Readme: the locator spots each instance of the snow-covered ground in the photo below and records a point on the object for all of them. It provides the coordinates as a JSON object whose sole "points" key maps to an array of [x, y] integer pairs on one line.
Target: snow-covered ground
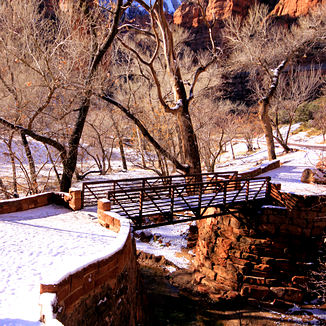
{"points": [[292, 164], [44, 244], [168, 241]]}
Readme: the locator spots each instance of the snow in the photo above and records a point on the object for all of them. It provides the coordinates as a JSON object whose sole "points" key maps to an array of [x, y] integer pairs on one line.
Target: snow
{"points": [[169, 242], [44, 245], [292, 164], [289, 174]]}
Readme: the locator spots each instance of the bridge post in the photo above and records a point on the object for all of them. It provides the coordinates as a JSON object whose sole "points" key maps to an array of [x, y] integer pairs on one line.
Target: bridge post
{"points": [[171, 193], [199, 199], [141, 201], [224, 192], [247, 190], [268, 188], [82, 196]]}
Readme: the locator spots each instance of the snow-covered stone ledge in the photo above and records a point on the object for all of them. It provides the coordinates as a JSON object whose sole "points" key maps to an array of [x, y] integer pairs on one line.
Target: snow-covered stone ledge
{"points": [[103, 291], [109, 219], [263, 168], [73, 199]]}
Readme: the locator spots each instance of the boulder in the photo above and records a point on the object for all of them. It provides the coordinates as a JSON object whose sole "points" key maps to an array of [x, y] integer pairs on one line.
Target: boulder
{"points": [[313, 176]]}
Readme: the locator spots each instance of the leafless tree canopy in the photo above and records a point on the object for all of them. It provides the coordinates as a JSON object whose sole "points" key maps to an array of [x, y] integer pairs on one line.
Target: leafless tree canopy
{"points": [[85, 79]]}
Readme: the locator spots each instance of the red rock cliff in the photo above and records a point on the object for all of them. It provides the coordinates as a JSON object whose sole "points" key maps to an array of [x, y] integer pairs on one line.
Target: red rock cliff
{"points": [[189, 13], [295, 8]]}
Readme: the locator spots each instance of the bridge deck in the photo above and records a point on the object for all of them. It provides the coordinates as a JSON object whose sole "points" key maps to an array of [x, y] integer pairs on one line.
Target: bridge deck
{"points": [[159, 205]]}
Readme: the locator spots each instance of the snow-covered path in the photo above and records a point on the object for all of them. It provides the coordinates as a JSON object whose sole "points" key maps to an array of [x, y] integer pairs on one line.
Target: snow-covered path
{"points": [[289, 174], [42, 245]]}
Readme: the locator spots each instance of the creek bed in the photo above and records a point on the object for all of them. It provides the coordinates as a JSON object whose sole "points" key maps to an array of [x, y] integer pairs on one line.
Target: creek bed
{"points": [[166, 305]]}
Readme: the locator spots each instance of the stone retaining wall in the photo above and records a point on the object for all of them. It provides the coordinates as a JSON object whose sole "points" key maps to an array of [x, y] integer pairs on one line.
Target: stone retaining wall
{"points": [[266, 259], [106, 292], [263, 168], [73, 199]]}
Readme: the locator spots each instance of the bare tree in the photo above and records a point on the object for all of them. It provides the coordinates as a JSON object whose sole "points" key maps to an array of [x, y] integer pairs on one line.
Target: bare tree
{"points": [[159, 62], [7, 139], [265, 48], [216, 125], [65, 55], [295, 87]]}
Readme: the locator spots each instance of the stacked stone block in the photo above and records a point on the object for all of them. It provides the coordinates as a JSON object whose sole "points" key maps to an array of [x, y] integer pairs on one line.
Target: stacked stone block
{"points": [[267, 260]]}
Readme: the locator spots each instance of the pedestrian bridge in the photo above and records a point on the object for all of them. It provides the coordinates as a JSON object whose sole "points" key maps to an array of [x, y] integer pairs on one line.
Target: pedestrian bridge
{"points": [[157, 201]]}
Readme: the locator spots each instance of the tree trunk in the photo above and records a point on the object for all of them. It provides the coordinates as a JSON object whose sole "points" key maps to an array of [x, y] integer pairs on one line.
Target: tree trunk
{"points": [[140, 145], [3, 189], [189, 140], [232, 150], [268, 130], [31, 163], [181, 153], [121, 148], [13, 164], [53, 164], [123, 156], [69, 164]]}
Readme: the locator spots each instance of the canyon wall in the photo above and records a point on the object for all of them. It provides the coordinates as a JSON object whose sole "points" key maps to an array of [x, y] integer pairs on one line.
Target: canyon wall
{"points": [[295, 8], [189, 14]]}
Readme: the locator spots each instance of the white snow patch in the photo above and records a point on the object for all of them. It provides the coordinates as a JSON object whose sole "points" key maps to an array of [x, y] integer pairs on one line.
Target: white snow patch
{"points": [[171, 240]]}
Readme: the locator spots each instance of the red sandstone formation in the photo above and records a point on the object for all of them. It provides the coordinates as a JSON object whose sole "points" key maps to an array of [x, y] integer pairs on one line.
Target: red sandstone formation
{"points": [[295, 8], [220, 9], [189, 13]]}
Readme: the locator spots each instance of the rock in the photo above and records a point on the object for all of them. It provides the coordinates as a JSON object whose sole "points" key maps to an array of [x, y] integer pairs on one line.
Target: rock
{"points": [[321, 165], [144, 236], [221, 9], [313, 176], [295, 8], [189, 13], [300, 281], [288, 294], [255, 291], [281, 304]]}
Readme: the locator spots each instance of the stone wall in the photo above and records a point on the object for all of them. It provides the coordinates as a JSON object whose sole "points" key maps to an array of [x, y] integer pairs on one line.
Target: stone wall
{"points": [[73, 199], [261, 253], [106, 292], [258, 170]]}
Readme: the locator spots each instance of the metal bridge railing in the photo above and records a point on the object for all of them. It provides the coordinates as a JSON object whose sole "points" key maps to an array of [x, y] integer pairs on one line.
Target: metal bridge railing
{"points": [[92, 191], [156, 205]]}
